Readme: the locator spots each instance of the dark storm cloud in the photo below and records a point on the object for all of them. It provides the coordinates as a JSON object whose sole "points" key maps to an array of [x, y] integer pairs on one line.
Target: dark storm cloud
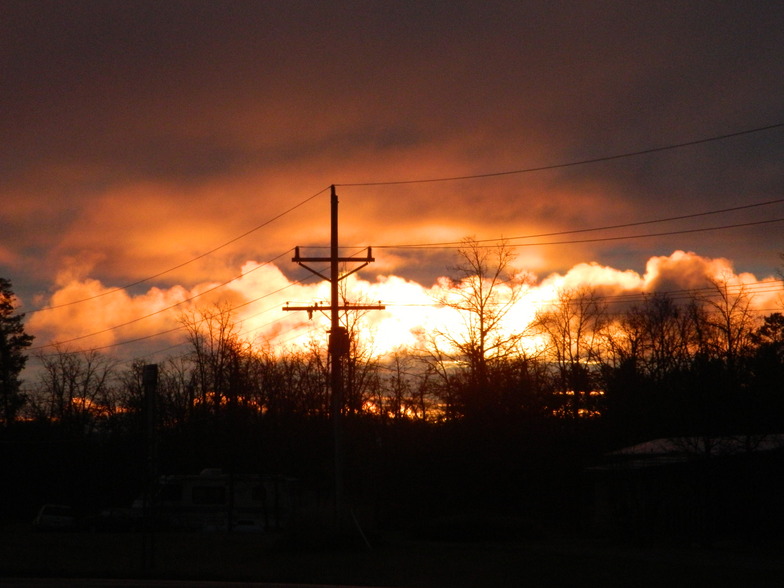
{"points": [[218, 105], [522, 74]]}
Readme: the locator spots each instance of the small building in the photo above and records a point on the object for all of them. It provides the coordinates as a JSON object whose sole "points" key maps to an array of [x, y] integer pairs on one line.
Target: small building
{"points": [[694, 489]]}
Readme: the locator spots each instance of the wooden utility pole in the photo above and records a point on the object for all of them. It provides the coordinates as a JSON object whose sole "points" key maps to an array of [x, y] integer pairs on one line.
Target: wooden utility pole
{"points": [[338, 335]]}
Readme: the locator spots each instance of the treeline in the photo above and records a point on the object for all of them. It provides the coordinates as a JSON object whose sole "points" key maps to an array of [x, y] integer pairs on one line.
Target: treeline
{"points": [[661, 368], [520, 411], [419, 419]]}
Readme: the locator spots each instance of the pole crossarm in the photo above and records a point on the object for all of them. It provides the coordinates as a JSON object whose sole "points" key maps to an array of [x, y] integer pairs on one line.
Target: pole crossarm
{"points": [[348, 306], [298, 258], [332, 260]]}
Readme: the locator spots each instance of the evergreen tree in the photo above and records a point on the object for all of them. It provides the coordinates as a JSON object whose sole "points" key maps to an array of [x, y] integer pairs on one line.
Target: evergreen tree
{"points": [[13, 341]]}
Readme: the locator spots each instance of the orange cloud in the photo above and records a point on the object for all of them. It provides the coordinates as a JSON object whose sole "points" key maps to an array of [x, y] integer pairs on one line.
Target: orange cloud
{"points": [[89, 313]]}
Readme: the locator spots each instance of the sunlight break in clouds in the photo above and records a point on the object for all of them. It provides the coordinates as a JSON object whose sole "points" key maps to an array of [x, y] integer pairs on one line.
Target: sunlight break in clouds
{"points": [[262, 291]]}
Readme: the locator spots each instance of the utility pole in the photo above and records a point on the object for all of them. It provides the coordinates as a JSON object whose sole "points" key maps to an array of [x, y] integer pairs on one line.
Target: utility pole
{"points": [[150, 387], [338, 335]]}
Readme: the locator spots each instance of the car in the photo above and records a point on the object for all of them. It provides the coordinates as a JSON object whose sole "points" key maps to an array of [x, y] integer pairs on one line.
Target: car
{"points": [[114, 519], [54, 517]]}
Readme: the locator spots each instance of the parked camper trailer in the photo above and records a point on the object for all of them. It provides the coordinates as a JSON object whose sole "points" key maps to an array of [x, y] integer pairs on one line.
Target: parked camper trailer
{"points": [[216, 500]]}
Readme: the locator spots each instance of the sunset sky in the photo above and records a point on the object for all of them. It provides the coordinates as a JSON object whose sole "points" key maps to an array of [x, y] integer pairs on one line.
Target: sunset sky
{"points": [[152, 151]]}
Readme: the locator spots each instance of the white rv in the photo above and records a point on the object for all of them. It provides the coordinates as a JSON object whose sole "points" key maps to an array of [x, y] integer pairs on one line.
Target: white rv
{"points": [[216, 500]]}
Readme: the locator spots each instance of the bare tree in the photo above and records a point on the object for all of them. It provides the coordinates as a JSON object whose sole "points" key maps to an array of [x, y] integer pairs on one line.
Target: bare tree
{"points": [[75, 388], [404, 390], [656, 337], [219, 356], [484, 290], [722, 393], [573, 329], [292, 382], [177, 390], [765, 405], [651, 353], [729, 316], [400, 401], [360, 363]]}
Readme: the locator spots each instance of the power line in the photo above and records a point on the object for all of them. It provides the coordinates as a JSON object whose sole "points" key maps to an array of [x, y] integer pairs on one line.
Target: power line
{"points": [[183, 264], [627, 298], [454, 244], [592, 229], [641, 294], [164, 350], [297, 334], [476, 176], [444, 179], [458, 245], [181, 327], [768, 287], [162, 310], [568, 164]]}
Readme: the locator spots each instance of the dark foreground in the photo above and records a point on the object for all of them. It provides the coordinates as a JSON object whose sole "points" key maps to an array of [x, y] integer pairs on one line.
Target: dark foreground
{"points": [[399, 560]]}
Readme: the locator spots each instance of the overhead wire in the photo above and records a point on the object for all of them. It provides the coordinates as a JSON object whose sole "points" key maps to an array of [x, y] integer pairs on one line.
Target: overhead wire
{"points": [[296, 335], [455, 244], [764, 287], [114, 327], [588, 230], [162, 310], [632, 298], [167, 331], [476, 176], [495, 242], [193, 259], [306, 279], [629, 298], [568, 164]]}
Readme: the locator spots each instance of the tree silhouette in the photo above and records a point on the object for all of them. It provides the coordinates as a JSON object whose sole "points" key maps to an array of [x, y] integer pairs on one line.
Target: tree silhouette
{"points": [[650, 348], [573, 329], [483, 292], [765, 403], [220, 358], [75, 389], [360, 365], [13, 342]]}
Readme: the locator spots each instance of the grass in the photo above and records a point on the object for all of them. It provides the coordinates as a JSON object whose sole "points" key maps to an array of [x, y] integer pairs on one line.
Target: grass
{"points": [[423, 559]]}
